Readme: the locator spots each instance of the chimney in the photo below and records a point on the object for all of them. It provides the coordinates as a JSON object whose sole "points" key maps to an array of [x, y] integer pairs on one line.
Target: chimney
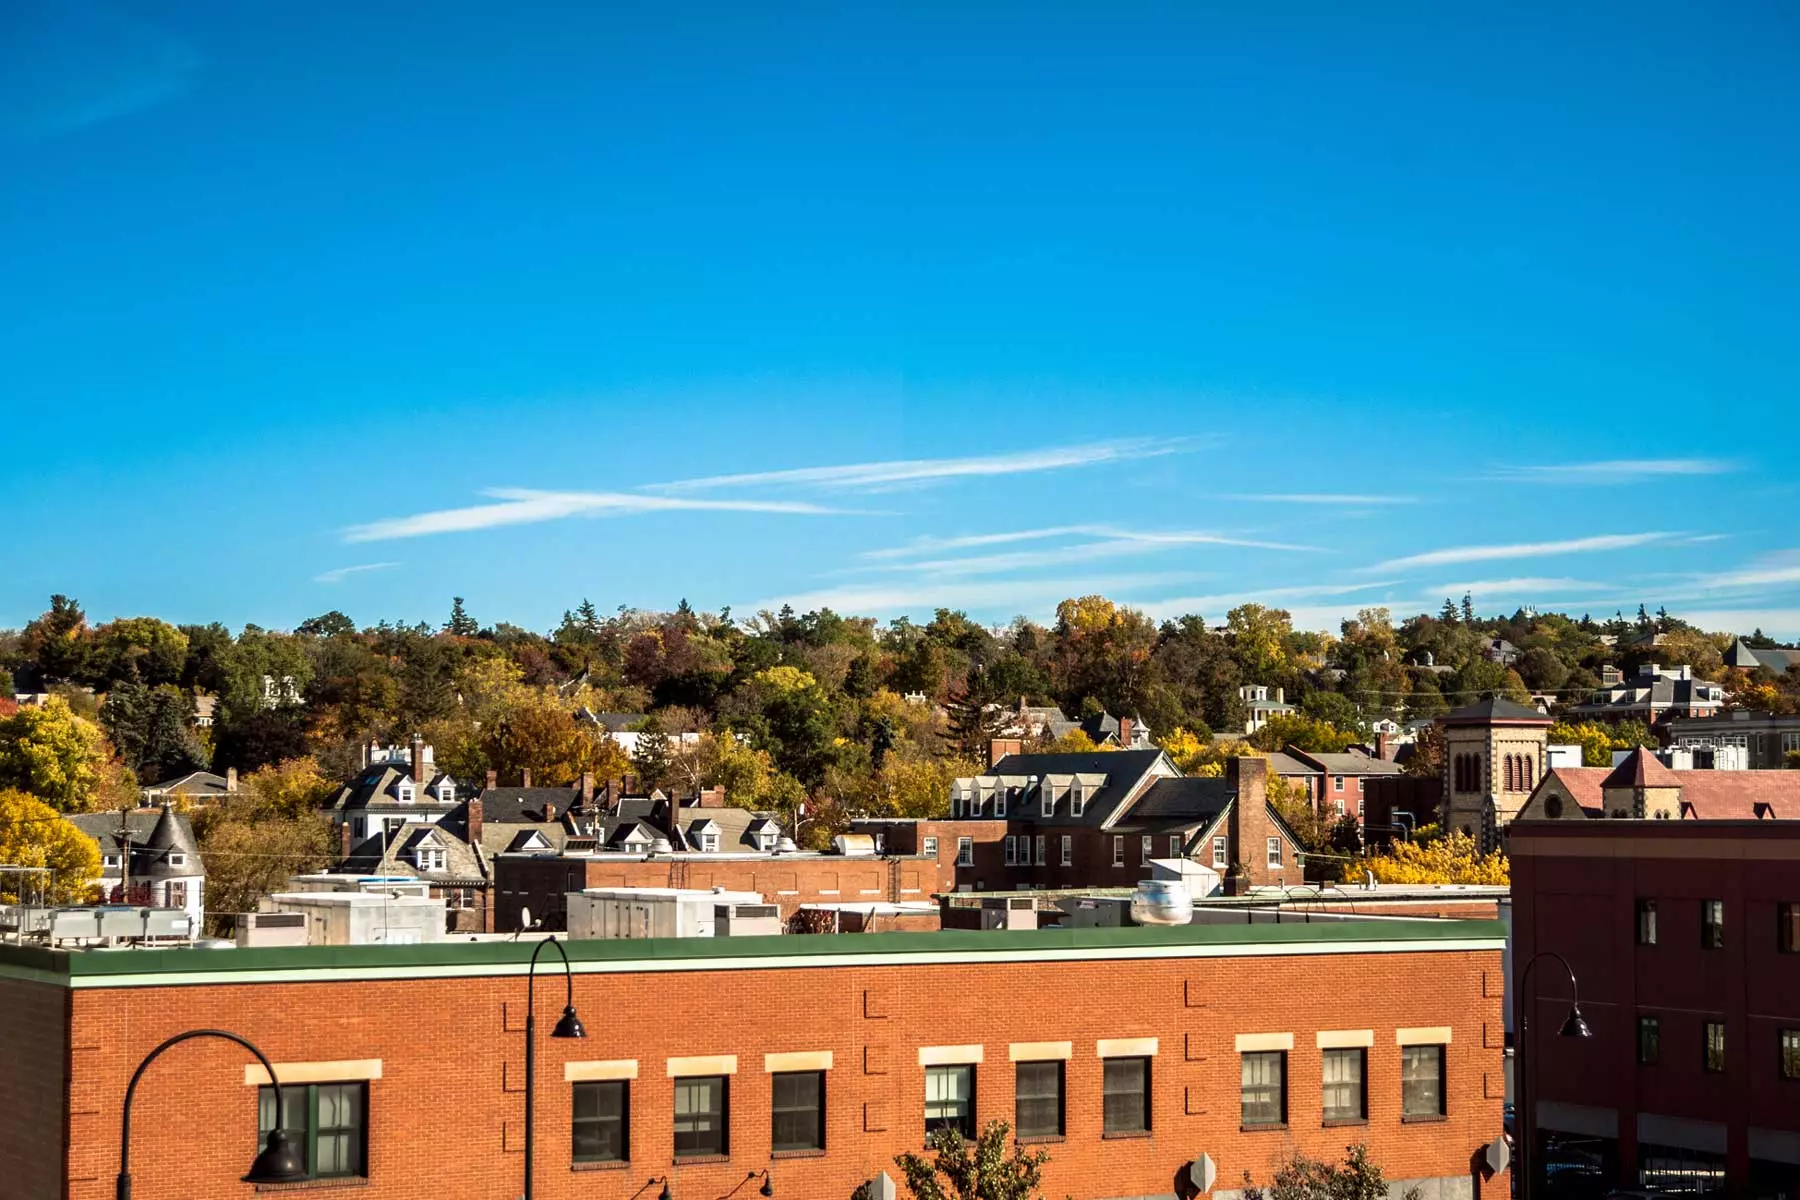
{"points": [[630, 785], [999, 748], [1280, 697], [343, 841], [475, 821], [230, 781], [527, 774], [1126, 725], [713, 797], [493, 780], [609, 795], [587, 789], [418, 760], [1383, 750], [1250, 827]]}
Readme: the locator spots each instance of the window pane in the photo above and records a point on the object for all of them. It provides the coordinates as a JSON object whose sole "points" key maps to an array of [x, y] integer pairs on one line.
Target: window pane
{"points": [[799, 1111], [1649, 1040], [1265, 1088], [1039, 1087], [700, 1116], [1343, 1077], [1790, 1054], [949, 1098], [600, 1131], [1715, 1046], [1126, 1088], [1421, 1081]]}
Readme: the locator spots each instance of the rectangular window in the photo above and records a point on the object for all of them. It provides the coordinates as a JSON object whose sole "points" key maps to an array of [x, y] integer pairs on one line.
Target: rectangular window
{"points": [[700, 1116], [1039, 1086], [1118, 851], [1715, 1046], [1264, 1095], [1068, 851], [1345, 1097], [1340, 806], [1145, 850], [1649, 1040], [1012, 854], [799, 1111], [1787, 928], [1274, 852], [1337, 783], [965, 851], [1221, 852], [1125, 1095], [1712, 924], [1646, 922], [1421, 1081], [1039, 846], [1000, 802], [1047, 801], [1790, 1054], [602, 1121], [1077, 799], [1175, 845], [327, 1123], [950, 1098], [928, 847]]}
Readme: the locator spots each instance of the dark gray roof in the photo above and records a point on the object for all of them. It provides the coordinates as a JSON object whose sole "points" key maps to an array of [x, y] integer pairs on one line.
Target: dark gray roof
{"points": [[1350, 763], [377, 787], [1183, 800], [194, 783], [1124, 771], [379, 856], [1495, 708], [519, 804], [154, 834], [1287, 765], [1747, 657]]}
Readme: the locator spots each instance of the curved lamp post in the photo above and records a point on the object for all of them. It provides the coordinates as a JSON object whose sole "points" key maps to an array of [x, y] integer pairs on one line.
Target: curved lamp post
{"points": [[278, 1162], [1574, 1026], [567, 1026]]}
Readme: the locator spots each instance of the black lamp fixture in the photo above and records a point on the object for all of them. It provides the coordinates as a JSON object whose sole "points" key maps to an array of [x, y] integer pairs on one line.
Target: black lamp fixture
{"points": [[1574, 1026], [279, 1161], [665, 1193], [768, 1187], [567, 1026]]}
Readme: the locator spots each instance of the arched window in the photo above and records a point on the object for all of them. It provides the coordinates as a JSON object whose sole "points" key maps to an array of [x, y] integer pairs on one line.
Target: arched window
{"points": [[1511, 784], [1530, 773]]}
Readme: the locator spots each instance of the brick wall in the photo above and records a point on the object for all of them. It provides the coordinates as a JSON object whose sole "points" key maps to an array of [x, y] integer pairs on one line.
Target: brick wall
{"points": [[33, 1076], [444, 1118]]}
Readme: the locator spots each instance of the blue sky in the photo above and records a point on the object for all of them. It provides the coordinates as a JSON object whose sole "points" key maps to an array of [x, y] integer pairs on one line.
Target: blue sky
{"points": [[893, 306]]}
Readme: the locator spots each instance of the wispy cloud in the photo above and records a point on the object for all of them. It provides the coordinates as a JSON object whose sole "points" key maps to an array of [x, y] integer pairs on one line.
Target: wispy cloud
{"points": [[1516, 587], [1623, 470], [1217, 605], [878, 476], [339, 574], [523, 506], [1112, 542], [1773, 570], [1776, 622], [1463, 554], [1033, 596], [69, 64], [1335, 499]]}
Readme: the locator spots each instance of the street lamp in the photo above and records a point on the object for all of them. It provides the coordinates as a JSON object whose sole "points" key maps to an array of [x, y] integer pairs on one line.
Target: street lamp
{"points": [[1574, 1026], [568, 1026], [278, 1162]]}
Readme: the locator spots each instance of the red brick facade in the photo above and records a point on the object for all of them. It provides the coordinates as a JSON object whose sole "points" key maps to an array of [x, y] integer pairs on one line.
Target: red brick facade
{"points": [[444, 1115]]}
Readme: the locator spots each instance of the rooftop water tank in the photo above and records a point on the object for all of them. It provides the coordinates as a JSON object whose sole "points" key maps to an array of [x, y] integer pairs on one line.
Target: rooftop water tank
{"points": [[1162, 902], [854, 845]]}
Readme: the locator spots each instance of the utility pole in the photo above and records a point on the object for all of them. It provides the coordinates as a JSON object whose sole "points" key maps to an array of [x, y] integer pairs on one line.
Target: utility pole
{"points": [[123, 836]]}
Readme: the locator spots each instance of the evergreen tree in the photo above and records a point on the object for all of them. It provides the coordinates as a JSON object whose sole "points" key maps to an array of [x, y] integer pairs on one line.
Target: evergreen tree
{"points": [[461, 624], [1448, 614], [651, 759], [1468, 609]]}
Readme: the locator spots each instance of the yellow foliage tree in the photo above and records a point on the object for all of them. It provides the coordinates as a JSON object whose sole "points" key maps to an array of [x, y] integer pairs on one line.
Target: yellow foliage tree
{"points": [[32, 834], [1451, 859]]}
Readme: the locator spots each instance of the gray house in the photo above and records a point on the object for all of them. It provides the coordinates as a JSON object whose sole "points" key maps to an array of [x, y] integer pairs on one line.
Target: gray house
{"points": [[147, 856]]}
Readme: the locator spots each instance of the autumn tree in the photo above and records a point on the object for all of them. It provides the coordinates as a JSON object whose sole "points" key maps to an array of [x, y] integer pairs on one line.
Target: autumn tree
{"points": [[272, 831], [62, 759], [1449, 859], [1302, 1178], [985, 1169], [32, 834]]}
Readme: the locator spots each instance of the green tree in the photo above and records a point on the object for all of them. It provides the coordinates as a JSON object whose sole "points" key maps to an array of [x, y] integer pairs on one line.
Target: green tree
{"points": [[985, 1169], [140, 648], [325, 625], [32, 834], [58, 757], [57, 643], [460, 624], [270, 833], [1302, 1178], [153, 730]]}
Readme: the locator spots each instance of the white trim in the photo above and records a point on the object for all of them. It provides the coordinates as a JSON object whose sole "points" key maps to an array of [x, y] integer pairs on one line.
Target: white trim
{"points": [[1039, 1051], [798, 1060], [344, 1071], [703, 1064], [1250, 1043], [1345, 1039], [587, 1072], [644, 966], [1424, 1035], [1125, 1048], [944, 1056]]}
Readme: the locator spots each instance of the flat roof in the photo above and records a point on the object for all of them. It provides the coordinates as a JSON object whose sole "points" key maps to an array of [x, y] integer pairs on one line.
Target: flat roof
{"points": [[467, 959]]}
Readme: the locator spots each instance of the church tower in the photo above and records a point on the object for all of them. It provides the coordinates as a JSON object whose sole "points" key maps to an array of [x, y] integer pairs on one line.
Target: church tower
{"points": [[1494, 754]]}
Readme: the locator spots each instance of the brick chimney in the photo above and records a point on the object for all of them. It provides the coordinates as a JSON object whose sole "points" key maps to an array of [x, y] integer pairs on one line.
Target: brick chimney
{"points": [[999, 748], [475, 821], [343, 841], [1383, 749], [493, 779], [1126, 725], [712, 797], [587, 789], [609, 795], [230, 780], [1250, 827], [527, 774], [418, 760]]}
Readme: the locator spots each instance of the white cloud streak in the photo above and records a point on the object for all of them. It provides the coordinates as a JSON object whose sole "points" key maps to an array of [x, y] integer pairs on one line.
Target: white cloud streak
{"points": [[523, 506], [1515, 587], [1615, 471], [1336, 499], [339, 574], [911, 472], [1216, 606], [1463, 554], [1008, 596], [1112, 542]]}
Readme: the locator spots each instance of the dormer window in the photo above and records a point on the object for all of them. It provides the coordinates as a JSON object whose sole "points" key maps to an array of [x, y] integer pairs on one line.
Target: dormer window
{"points": [[404, 793], [1000, 802], [1077, 798], [177, 860], [109, 860], [1048, 808], [765, 840], [432, 859], [446, 792], [709, 841]]}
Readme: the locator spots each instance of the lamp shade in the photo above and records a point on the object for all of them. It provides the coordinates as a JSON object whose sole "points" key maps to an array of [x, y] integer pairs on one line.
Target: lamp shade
{"points": [[1575, 1025], [665, 1192], [279, 1162], [569, 1025], [768, 1187]]}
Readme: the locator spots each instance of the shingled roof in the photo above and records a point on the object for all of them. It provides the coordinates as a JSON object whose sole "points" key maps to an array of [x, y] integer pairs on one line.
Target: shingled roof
{"points": [[1495, 709]]}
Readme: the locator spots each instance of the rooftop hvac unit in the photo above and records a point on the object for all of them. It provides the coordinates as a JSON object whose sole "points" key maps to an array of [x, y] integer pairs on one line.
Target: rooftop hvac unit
{"points": [[746, 920]]}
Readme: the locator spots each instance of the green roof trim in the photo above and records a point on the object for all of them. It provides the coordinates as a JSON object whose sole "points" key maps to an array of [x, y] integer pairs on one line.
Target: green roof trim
{"points": [[92, 968]]}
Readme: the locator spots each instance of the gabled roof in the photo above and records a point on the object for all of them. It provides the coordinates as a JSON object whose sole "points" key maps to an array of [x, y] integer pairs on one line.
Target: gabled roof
{"points": [[378, 855], [194, 783], [1287, 766], [516, 805], [1189, 798], [1124, 771], [1747, 657], [1639, 769], [154, 834], [1349, 763], [378, 786], [1583, 784], [1495, 710]]}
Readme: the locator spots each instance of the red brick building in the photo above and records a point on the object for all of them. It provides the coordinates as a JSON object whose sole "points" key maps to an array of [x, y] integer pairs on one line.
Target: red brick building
{"points": [[1684, 936], [1127, 1052]]}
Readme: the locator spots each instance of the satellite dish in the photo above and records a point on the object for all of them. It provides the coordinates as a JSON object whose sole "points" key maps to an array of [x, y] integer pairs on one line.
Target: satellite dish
{"points": [[1203, 1172]]}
